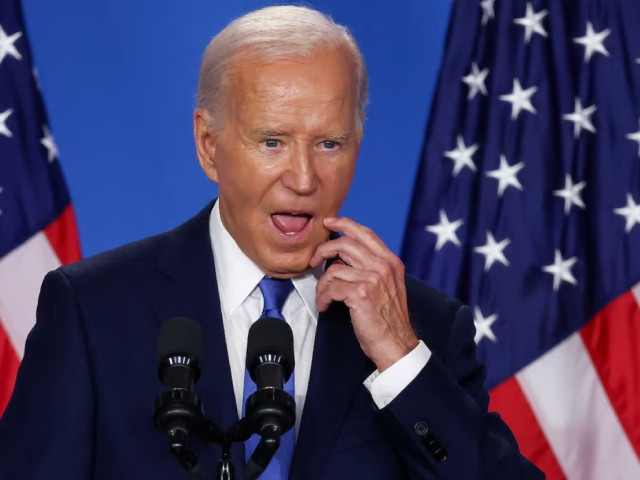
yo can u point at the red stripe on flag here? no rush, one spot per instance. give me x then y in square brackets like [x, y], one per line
[9, 363]
[63, 236]
[612, 338]
[509, 400]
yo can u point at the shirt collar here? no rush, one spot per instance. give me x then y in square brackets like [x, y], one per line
[237, 275]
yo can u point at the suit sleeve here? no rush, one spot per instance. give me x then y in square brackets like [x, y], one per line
[440, 420]
[47, 431]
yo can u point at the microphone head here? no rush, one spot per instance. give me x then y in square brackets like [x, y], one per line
[180, 336]
[270, 336]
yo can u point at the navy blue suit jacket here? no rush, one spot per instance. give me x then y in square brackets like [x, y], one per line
[83, 402]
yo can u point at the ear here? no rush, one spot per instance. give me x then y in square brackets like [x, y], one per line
[361, 132]
[205, 142]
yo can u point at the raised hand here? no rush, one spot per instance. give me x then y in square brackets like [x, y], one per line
[369, 279]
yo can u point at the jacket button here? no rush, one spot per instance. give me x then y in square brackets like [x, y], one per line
[440, 455]
[429, 440]
[421, 429]
[434, 447]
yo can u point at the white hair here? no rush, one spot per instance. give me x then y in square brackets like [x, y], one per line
[278, 32]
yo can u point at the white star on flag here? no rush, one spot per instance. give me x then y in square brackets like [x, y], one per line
[483, 326]
[49, 143]
[635, 136]
[532, 22]
[445, 231]
[561, 270]
[475, 80]
[493, 251]
[4, 130]
[519, 99]
[593, 42]
[631, 213]
[506, 175]
[461, 156]
[581, 118]
[7, 46]
[487, 10]
[570, 193]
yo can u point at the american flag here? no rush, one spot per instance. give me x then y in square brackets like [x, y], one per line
[527, 207]
[37, 225]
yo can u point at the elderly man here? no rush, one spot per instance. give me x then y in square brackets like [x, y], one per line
[387, 384]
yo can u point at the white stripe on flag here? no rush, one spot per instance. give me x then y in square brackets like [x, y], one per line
[636, 292]
[576, 416]
[21, 273]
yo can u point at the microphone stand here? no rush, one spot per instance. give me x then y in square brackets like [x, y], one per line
[262, 455]
[270, 413]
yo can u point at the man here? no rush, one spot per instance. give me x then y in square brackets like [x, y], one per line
[278, 127]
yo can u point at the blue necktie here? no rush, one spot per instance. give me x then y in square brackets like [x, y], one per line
[275, 292]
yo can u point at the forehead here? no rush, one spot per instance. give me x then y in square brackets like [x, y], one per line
[323, 80]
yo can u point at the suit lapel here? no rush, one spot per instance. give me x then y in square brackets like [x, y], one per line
[338, 370]
[191, 290]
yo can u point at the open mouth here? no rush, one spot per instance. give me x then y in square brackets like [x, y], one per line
[291, 223]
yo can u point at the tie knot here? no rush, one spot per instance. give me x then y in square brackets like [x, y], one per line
[275, 292]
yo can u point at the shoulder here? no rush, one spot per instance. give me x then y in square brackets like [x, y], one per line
[131, 260]
[435, 316]
[126, 257]
[423, 298]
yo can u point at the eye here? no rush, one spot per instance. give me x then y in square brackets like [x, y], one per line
[329, 144]
[271, 143]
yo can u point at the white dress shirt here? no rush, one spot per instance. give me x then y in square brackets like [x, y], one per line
[241, 303]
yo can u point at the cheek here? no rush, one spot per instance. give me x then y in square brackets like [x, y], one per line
[238, 181]
[334, 195]
[233, 160]
[341, 182]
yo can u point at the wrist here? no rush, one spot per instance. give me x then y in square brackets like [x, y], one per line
[393, 352]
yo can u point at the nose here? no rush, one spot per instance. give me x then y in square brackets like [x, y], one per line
[301, 175]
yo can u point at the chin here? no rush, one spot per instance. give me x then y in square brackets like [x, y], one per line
[288, 265]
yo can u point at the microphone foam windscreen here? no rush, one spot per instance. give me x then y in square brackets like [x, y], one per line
[180, 336]
[270, 335]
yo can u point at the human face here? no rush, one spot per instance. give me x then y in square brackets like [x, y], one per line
[285, 157]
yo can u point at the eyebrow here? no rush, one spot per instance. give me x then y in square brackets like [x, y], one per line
[265, 132]
[339, 136]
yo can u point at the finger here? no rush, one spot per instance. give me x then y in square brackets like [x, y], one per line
[327, 293]
[339, 283]
[350, 250]
[363, 285]
[356, 230]
[387, 270]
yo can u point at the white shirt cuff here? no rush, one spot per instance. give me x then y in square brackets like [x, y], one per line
[386, 386]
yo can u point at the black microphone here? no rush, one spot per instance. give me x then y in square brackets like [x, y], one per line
[179, 409]
[179, 353]
[270, 358]
[270, 411]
